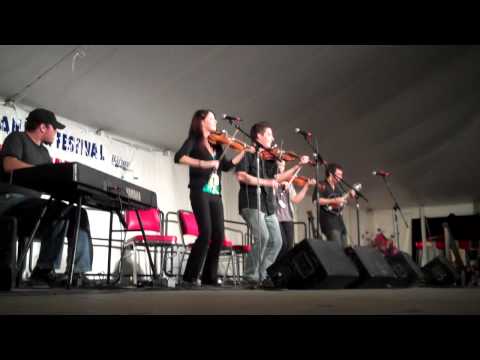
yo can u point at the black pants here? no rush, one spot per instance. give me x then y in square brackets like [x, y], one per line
[335, 231]
[208, 211]
[286, 227]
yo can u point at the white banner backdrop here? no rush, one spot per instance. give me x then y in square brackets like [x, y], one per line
[135, 163]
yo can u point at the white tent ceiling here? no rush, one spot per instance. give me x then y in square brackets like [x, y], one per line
[412, 110]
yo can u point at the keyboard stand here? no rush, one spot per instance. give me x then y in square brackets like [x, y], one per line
[70, 268]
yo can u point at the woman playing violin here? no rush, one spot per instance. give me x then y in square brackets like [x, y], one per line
[286, 196]
[206, 164]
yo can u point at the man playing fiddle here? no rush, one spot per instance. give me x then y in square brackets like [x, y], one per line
[263, 222]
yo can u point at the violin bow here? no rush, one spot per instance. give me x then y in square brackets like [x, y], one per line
[296, 172]
[228, 144]
[294, 176]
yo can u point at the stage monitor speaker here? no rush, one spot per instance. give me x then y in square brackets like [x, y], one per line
[407, 272]
[314, 264]
[374, 270]
[440, 272]
[8, 237]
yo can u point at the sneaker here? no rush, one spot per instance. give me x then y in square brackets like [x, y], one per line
[42, 277]
[79, 280]
[189, 285]
[250, 284]
[214, 284]
[267, 284]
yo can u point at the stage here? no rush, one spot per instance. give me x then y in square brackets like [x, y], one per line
[232, 301]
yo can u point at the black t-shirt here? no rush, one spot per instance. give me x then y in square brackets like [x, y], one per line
[20, 146]
[329, 220]
[199, 177]
[247, 196]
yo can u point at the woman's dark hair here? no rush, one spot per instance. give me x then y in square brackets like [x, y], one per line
[196, 126]
[259, 128]
[331, 168]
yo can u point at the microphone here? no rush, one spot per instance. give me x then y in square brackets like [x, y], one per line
[231, 118]
[307, 134]
[381, 173]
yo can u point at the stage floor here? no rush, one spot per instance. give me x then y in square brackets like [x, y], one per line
[409, 301]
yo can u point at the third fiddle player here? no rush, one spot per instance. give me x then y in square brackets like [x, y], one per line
[286, 196]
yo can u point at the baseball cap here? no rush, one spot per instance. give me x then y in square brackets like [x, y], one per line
[44, 116]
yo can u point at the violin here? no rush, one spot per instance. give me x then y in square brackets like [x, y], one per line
[300, 181]
[282, 155]
[223, 139]
[277, 154]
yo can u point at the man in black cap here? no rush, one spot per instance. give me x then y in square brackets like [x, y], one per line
[27, 149]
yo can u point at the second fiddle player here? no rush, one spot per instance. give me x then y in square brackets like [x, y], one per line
[265, 227]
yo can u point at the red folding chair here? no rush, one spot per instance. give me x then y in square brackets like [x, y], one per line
[152, 223]
[189, 227]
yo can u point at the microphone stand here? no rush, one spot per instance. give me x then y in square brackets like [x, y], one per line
[396, 208]
[318, 161]
[346, 184]
[259, 192]
[357, 210]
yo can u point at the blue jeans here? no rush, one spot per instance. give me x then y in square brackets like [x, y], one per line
[51, 249]
[266, 248]
[52, 236]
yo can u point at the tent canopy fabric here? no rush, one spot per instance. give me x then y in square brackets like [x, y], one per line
[410, 110]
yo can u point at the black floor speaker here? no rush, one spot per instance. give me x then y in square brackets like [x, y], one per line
[314, 264]
[374, 270]
[407, 272]
[440, 272]
[8, 237]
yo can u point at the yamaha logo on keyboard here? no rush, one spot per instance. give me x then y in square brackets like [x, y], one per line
[133, 194]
